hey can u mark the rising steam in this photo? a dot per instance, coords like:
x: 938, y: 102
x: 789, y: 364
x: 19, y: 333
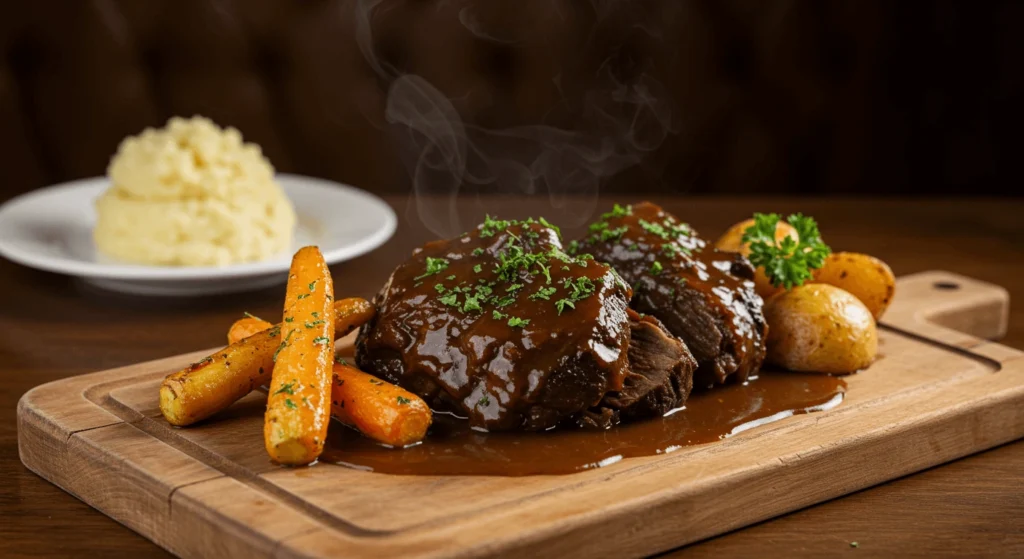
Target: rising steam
x: 445, y: 156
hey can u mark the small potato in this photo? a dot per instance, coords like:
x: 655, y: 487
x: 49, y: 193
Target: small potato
x: 732, y: 241
x: 866, y: 277
x: 820, y: 328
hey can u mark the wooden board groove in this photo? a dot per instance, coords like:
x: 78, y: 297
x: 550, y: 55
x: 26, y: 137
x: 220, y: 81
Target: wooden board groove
x: 940, y: 392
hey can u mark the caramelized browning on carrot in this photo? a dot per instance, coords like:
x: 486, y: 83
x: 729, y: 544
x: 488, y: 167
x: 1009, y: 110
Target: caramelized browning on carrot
x: 295, y: 424
x: 206, y: 387
x: 379, y: 410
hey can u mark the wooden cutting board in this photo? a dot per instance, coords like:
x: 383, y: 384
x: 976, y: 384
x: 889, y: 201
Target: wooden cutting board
x: 940, y: 391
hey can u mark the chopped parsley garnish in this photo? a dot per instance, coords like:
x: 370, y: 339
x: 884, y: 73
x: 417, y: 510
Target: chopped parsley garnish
x: 656, y: 267
x: 667, y: 230
x: 478, y: 268
x: 313, y: 324
x: 290, y: 319
x: 201, y: 362
x: 340, y: 360
x: 450, y: 278
x: 302, y: 296
x: 515, y: 322
x: 284, y: 343
x: 555, y: 228
x: 286, y: 388
x: 247, y: 315
x: 315, y: 314
x: 613, y: 234
x: 312, y: 286
x: 561, y: 304
x: 787, y: 263
x: 492, y: 226
x: 484, y: 401
x: 434, y: 266
x: 498, y: 315
x: 580, y: 288
x: 543, y: 293
x: 472, y: 303
x: 451, y: 299
x: 574, y: 247
x: 618, y: 211
x: 321, y: 340
x: 513, y: 287
x: 402, y: 401
x: 478, y: 251
x: 290, y: 404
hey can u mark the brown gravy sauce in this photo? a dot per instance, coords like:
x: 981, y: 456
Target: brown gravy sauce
x: 452, y: 448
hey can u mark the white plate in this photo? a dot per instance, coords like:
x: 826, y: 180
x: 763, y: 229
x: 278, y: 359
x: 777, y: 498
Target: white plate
x: 51, y: 229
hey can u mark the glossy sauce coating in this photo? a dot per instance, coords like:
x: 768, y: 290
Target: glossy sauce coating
x: 471, y: 334
x: 704, y: 296
x: 453, y: 448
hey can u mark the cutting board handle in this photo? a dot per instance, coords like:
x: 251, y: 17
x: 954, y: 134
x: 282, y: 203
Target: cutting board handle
x: 950, y: 309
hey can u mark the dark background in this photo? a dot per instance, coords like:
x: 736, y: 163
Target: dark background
x: 804, y: 97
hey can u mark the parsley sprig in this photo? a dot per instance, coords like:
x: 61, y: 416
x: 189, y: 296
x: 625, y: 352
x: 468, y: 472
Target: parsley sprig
x: 788, y: 262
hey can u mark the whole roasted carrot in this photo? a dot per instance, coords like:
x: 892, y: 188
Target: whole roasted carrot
x: 379, y: 410
x: 214, y: 383
x: 295, y: 425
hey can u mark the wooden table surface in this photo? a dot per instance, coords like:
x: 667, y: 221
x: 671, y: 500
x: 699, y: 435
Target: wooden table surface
x: 53, y: 327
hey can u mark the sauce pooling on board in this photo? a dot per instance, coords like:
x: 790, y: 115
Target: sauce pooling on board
x: 453, y: 448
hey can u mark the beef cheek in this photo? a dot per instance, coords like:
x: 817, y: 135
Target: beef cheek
x: 501, y: 326
x: 703, y: 296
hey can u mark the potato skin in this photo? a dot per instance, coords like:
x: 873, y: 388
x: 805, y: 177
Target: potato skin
x: 866, y: 277
x: 732, y: 241
x: 820, y: 328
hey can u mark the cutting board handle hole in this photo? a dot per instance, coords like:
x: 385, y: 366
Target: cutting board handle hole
x: 946, y: 285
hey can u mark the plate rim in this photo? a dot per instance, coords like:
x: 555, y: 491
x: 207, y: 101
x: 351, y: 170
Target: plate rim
x: 141, y: 272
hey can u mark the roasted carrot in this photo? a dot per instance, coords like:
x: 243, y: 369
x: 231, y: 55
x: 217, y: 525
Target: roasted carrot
x: 245, y: 327
x: 379, y: 410
x: 207, y: 387
x: 349, y: 314
x: 212, y: 384
x: 298, y: 404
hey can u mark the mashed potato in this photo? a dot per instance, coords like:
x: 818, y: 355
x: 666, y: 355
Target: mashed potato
x: 192, y: 194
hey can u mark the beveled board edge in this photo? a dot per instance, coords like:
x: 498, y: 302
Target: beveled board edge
x: 200, y: 510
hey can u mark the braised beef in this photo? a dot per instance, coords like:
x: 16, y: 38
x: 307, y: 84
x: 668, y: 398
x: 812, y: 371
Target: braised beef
x: 703, y: 296
x: 502, y: 326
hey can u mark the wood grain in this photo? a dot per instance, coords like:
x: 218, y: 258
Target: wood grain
x: 923, y: 403
x: 53, y: 327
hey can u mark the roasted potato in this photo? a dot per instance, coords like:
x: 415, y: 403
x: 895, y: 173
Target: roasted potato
x: 866, y: 277
x: 732, y: 241
x: 820, y: 328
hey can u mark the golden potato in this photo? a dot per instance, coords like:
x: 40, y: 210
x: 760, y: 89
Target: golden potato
x: 866, y: 277
x: 732, y: 241
x: 820, y: 328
